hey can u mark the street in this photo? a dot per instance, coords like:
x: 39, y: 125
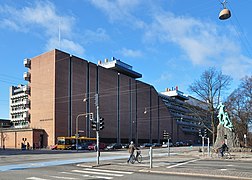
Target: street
x: 186, y: 162
x: 72, y: 172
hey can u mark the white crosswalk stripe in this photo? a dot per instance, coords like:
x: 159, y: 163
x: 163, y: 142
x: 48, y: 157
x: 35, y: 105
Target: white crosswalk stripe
x: 102, y: 173
x: 60, y: 177
x: 86, y: 172
x: 95, y: 172
x: 109, y: 171
x: 36, y: 178
x: 88, y: 176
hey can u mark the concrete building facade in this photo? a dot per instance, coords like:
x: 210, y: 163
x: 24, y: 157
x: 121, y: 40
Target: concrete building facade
x: 191, y: 115
x: 19, y: 106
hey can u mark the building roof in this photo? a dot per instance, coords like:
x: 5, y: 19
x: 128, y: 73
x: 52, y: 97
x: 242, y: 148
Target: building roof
x: 120, y: 67
x: 175, y: 93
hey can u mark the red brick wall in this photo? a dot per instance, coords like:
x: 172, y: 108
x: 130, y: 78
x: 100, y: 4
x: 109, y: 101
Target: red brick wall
x: 154, y: 115
x: 79, y: 82
x: 42, y: 94
x: 62, y: 66
x: 92, y: 92
x: 108, y: 101
x: 50, y: 101
x: 143, y: 102
x: 14, y: 138
x: 125, y: 107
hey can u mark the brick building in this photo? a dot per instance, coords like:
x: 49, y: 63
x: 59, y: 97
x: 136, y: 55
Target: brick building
x: 62, y: 86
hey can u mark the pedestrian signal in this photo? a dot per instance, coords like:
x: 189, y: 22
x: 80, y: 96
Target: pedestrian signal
x: 101, y: 123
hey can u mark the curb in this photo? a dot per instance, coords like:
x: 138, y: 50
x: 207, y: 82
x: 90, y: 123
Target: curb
x: 92, y: 165
x: 194, y: 174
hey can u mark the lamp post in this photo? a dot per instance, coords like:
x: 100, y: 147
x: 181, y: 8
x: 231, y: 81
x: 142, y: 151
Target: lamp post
x: 77, y: 126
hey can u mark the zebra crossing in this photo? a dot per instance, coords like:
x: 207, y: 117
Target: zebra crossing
x: 76, y: 174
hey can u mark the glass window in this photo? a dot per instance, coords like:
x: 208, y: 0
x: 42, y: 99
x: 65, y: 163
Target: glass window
x: 61, y: 141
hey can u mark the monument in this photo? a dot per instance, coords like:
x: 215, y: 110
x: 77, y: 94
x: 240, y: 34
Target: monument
x: 225, y: 130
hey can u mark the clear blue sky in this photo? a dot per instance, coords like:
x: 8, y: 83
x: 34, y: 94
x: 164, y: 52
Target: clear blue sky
x: 170, y: 42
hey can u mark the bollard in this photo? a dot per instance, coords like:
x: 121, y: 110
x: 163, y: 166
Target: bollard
x: 203, y: 140
x: 168, y: 147
x: 208, y: 147
x: 150, y: 153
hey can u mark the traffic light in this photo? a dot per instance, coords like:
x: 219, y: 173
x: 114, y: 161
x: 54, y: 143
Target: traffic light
x: 205, y: 132
x: 200, y: 132
x: 225, y: 136
x: 91, y: 116
x: 94, y: 125
x: 101, y: 123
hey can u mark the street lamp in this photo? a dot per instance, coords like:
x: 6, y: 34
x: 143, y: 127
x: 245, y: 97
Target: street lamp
x: 85, y: 98
x: 145, y: 110
x: 225, y: 13
x: 77, y: 127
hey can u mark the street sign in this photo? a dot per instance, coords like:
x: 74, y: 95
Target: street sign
x: 166, y: 135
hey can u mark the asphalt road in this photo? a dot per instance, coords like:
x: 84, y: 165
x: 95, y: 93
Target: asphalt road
x: 72, y: 172
x: 77, y: 172
x: 183, y: 163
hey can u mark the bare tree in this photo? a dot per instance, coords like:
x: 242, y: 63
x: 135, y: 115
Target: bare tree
x: 209, y: 88
x: 239, y: 104
x: 246, y: 85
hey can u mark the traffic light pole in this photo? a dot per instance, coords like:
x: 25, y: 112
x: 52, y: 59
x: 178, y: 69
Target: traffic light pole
x: 97, y: 128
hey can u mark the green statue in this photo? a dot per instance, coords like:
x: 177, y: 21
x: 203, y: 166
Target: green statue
x: 223, y: 117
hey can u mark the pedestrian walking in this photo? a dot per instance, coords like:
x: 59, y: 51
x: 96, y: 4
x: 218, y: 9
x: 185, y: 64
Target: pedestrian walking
x: 28, y: 146
x: 131, y: 150
x: 223, y: 148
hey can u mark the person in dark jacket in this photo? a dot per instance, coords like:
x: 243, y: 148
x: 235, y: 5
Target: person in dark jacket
x: 131, y: 150
x: 223, y: 148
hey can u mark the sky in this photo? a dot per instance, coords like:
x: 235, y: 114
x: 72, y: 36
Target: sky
x: 170, y: 42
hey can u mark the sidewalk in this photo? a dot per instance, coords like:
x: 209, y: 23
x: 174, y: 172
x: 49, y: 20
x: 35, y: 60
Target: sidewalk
x: 161, y: 166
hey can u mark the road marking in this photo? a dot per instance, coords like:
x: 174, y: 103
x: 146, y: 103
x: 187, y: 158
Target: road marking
x: 60, y: 177
x: 223, y: 169
x: 109, y: 171
x: 180, y: 164
x: 99, y: 173
x: 36, y: 178
x: 230, y: 165
x: 89, y: 176
x: 56, y: 163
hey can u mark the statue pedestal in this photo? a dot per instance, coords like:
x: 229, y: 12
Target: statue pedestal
x: 230, y: 139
